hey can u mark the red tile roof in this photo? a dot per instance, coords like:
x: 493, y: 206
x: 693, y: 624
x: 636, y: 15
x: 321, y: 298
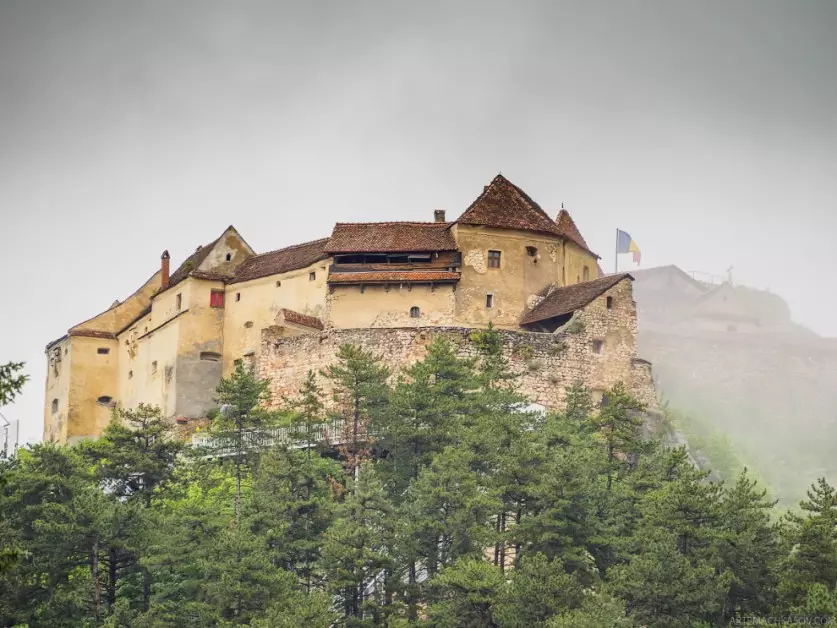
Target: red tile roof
x: 390, y: 237
x: 502, y: 204
x: 190, y: 264
x: 569, y: 230
x: 394, y: 276
x: 571, y: 298
x: 281, y: 261
x: 301, y: 319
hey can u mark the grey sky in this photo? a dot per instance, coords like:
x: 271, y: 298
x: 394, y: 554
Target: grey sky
x: 705, y: 129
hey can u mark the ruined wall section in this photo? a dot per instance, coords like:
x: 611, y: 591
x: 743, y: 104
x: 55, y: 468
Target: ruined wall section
x: 547, y: 364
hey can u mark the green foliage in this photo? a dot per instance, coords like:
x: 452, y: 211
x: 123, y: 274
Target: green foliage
x: 460, y: 509
x: 11, y: 381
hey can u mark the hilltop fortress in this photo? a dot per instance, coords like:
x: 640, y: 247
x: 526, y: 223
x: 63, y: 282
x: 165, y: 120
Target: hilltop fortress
x: 390, y: 286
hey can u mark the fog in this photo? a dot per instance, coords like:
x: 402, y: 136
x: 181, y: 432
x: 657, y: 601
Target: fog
x: 706, y: 130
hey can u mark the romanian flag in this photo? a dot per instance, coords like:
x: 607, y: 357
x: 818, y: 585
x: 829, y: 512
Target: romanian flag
x: 626, y: 244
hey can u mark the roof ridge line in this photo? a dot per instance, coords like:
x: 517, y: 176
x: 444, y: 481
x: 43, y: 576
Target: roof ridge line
x: 289, y: 247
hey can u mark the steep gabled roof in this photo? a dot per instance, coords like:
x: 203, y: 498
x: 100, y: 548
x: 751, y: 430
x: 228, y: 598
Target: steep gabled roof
x: 390, y: 237
x: 568, y: 228
x: 191, y: 263
x: 281, y: 261
x: 571, y: 298
x: 504, y: 205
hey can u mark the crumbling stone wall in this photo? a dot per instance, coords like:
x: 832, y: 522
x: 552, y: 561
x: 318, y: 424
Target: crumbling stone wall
x: 547, y: 363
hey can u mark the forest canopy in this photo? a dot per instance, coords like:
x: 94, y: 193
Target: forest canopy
x: 442, y: 501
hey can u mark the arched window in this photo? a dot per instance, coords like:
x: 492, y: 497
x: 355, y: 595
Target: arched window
x: 54, y: 406
x: 415, y: 312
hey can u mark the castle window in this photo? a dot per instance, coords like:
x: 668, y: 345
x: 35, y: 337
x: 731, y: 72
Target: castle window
x: 216, y: 298
x: 278, y: 283
x: 102, y: 350
x: 229, y: 256
x: 248, y: 324
x: 238, y: 296
x: 178, y: 302
x: 610, y: 303
x: 531, y: 251
x: 489, y: 300
x: 104, y: 400
x: 154, y: 367
x: 586, y: 273
x: 130, y: 375
x: 54, y: 406
x: 312, y: 276
x: 415, y: 312
x: 210, y: 356
x: 494, y: 259
x: 597, y: 346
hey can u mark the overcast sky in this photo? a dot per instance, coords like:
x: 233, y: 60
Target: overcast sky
x: 707, y: 130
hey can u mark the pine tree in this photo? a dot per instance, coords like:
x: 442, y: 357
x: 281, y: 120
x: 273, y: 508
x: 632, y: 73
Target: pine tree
x: 618, y: 424
x: 466, y: 594
x: 355, y: 548
x: 12, y: 381
x: 291, y: 508
x: 240, y: 423
x: 812, y: 539
x: 360, y: 394
x: 749, y: 549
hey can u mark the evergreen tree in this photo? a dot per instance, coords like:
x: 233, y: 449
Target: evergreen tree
x: 360, y: 394
x: 291, y: 509
x: 749, y: 549
x: 12, y: 380
x: 241, y: 420
x: 466, y: 594
x: 811, y: 539
x: 355, y: 548
x: 618, y: 424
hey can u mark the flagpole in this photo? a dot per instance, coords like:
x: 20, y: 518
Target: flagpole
x: 616, y: 254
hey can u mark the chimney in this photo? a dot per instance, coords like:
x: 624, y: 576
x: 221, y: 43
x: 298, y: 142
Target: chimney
x: 439, y: 215
x: 164, y: 270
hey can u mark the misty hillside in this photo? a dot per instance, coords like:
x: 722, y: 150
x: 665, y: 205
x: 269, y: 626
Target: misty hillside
x: 731, y: 359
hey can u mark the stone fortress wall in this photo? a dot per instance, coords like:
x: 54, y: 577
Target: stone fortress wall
x: 597, y: 347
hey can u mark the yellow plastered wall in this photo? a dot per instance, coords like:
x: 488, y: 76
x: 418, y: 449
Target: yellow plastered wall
x: 378, y: 306
x: 521, y: 276
x: 58, y: 390
x: 140, y: 380
x: 232, y: 244
x: 93, y: 375
x: 576, y: 260
x: 514, y: 284
x: 260, y: 300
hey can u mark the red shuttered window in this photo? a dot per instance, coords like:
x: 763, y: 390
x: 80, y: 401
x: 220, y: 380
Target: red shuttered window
x: 216, y: 298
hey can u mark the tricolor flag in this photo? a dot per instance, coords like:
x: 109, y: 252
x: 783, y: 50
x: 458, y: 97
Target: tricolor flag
x: 626, y: 244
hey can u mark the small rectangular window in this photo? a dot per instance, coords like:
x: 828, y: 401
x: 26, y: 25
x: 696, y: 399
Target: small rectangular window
x: 216, y: 298
x: 597, y: 346
x: 102, y: 350
x: 278, y: 283
x: 610, y: 303
x: 312, y: 276
x: 178, y: 302
x: 489, y: 300
x: 238, y: 296
x: 531, y: 251
x: 494, y: 259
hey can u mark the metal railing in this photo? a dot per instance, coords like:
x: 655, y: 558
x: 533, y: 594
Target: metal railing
x: 223, y: 444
